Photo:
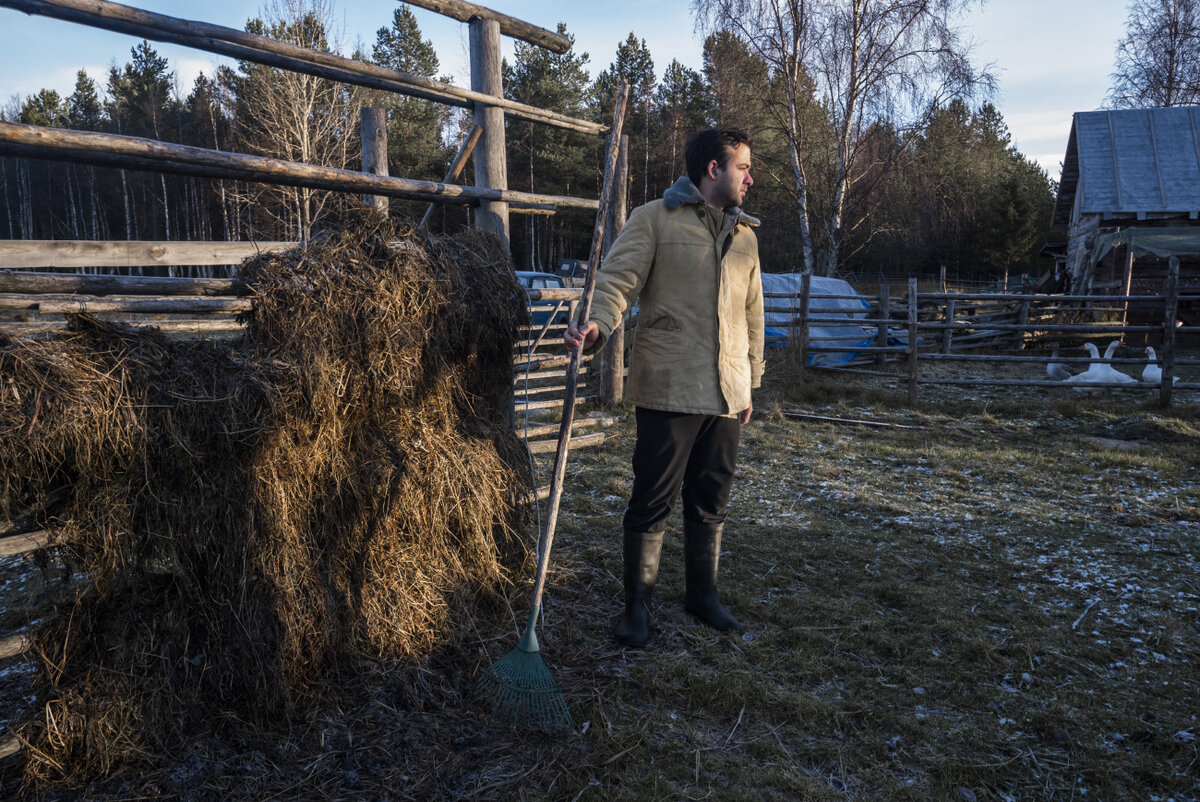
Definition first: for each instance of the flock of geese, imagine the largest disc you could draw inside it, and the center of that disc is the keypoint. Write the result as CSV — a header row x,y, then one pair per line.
x,y
1099,371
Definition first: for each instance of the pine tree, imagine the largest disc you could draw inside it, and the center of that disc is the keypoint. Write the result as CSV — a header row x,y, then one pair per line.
x,y
416,145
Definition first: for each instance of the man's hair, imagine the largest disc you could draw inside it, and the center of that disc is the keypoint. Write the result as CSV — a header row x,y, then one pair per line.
x,y
709,144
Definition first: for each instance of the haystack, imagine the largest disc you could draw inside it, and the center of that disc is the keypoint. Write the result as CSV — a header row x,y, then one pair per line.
x,y
256,522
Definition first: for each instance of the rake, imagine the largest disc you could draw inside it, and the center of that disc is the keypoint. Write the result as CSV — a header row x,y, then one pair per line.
x,y
522,691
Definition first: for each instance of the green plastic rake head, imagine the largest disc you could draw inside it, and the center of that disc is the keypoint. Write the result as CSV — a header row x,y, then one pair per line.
x,y
522,691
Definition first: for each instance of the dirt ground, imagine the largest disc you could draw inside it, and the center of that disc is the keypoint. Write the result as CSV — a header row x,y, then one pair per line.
x,y
994,595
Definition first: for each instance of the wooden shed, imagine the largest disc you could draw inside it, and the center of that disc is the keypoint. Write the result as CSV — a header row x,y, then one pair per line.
x,y
1129,199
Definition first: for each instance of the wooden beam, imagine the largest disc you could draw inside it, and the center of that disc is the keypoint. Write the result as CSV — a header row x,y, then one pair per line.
x,y
509,26
185,306
264,50
456,167
14,645
373,133
41,253
178,326
491,159
577,441
117,285
17,139
23,543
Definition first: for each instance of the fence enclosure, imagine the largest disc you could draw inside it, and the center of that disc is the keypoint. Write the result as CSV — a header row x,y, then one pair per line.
x,y
922,329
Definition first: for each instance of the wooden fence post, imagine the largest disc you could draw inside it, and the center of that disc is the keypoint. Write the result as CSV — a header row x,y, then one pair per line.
x,y
490,167
1023,322
912,341
612,364
885,311
801,327
373,132
1171,306
948,332
1127,282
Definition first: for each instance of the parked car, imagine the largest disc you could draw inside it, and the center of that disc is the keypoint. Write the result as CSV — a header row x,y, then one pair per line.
x,y
541,311
573,272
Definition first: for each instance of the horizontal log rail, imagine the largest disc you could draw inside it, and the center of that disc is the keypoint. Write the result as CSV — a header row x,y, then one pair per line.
x,y
175,326
509,26
18,139
60,305
82,283
577,441
246,46
14,645
35,254
552,428
12,545
9,746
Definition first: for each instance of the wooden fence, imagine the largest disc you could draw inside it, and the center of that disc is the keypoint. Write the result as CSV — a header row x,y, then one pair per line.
x,y
34,301
920,330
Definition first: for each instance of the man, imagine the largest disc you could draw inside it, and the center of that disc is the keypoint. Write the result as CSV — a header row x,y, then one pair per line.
x,y
692,260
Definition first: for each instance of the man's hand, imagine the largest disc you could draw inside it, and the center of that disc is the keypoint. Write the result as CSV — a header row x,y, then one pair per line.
x,y
744,415
576,336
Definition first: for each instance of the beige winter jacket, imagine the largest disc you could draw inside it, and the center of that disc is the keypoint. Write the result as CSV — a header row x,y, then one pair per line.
x,y
699,341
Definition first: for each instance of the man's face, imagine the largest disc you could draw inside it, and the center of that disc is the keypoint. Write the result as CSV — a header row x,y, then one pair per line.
x,y
729,183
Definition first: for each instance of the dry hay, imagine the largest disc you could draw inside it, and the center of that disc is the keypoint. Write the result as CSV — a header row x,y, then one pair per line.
x,y
260,523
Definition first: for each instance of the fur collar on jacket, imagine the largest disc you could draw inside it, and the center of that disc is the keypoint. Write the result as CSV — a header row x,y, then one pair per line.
x,y
683,192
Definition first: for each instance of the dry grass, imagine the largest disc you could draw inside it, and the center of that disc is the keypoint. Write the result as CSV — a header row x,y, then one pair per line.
x,y
260,528
1000,605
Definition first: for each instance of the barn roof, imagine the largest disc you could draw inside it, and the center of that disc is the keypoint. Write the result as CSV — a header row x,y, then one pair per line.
x,y
1132,161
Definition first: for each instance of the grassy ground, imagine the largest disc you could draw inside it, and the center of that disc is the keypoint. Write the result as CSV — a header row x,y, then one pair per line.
x,y
1002,603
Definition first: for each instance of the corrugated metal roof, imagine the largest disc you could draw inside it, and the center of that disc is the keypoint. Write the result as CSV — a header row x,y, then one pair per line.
x,y
1132,161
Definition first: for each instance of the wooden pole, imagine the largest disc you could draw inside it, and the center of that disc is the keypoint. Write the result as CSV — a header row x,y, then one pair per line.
x,y
456,167
948,332
373,129
1127,281
263,50
612,373
17,139
881,338
1171,307
802,325
509,26
912,341
490,159
1023,324
568,413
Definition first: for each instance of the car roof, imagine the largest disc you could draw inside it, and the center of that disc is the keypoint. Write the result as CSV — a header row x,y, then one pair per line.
x,y
536,274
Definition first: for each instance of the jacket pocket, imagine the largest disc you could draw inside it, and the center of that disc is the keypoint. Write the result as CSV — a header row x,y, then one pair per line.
x,y
662,322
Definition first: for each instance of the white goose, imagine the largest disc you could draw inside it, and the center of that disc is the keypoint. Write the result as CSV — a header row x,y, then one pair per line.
x,y
1152,373
1057,370
1100,371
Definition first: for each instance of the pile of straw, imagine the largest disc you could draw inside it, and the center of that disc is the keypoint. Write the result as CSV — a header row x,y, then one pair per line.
x,y
257,524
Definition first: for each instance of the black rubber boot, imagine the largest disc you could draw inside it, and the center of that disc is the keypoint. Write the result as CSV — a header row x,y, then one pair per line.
x,y
642,550
701,550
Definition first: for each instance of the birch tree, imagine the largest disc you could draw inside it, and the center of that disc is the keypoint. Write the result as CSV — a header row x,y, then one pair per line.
x,y
1158,61
864,62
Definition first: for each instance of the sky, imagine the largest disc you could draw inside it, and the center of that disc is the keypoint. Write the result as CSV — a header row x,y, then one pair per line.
x,y
1051,58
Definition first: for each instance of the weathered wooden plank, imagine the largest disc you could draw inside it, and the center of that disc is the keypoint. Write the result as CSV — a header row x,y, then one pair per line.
x,y
194,306
9,746
14,645
577,441
35,254
214,325
117,285
23,543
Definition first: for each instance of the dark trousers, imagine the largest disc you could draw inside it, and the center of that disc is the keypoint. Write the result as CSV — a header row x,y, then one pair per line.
x,y
674,450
